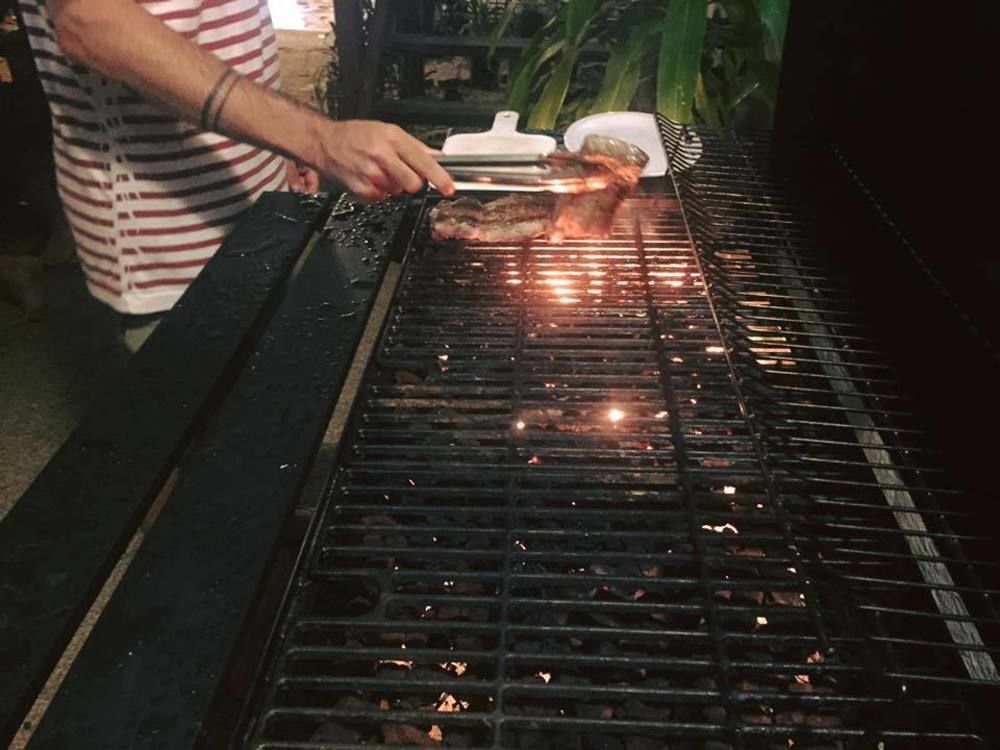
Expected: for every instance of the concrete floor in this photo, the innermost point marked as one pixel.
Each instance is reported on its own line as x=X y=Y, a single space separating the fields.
x=50 y=370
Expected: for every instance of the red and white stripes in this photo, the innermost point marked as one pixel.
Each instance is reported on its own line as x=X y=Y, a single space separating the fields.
x=149 y=197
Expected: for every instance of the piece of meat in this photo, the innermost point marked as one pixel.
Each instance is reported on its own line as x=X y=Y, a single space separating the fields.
x=525 y=216
x=592 y=214
x=513 y=218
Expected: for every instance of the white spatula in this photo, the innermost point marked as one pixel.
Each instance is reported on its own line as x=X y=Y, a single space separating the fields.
x=502 y=138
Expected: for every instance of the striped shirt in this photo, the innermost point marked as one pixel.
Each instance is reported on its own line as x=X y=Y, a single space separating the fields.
x=149 y=197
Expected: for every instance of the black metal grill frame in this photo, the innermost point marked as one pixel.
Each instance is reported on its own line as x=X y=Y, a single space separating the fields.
x=470 y=523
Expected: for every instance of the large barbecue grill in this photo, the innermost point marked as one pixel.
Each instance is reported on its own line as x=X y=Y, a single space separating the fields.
x=701 y=485
x=652 y=491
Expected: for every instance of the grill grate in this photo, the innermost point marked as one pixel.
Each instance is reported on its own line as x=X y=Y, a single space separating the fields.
x=611 y=495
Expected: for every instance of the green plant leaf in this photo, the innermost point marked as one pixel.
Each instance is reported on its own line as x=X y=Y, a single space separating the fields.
x=767 y=74
x=741 y=96
x=501 y=27
x=579 y=14
x=706 y=104
x=541 y=48
x=546 y=111
x=523 y=77
x=680 y=58
x=621 y=78
x=774 y=14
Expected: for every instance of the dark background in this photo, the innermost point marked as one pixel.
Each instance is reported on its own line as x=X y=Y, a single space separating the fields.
x=25 y=142
x=905 y=92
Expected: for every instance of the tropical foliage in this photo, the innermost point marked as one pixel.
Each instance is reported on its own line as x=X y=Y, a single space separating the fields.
x=714 y=61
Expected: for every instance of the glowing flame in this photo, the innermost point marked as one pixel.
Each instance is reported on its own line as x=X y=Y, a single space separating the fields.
x=615 y=415
x=397 y=663
x=448 y=703
x=458 y=667
x=721 y=529
x=729 y=490
x=519 y=425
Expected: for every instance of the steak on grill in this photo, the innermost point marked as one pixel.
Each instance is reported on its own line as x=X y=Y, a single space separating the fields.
x=509 y=219
x=527 y=216
x=592 y=214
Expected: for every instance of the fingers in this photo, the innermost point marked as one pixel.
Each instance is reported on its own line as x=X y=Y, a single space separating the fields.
x=374 y=160
x=365 y=189
x=399 y=174
x=295 y=182
x=416 y=156
x=310 y=181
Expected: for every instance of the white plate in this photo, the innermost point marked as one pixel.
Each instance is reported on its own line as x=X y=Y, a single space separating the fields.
x=637 y=128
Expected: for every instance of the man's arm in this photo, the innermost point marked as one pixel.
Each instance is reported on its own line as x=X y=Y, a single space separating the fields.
x=121 y=40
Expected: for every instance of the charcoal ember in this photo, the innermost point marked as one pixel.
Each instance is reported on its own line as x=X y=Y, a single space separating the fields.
x=638 y=710
x=405 y=734
x=411 y=640
x=751 y=597
x=808 y=719
x=809 y=688
x=601 y=741
x=759 y=718
x=337 y=733
x=741 y=595
x=714 y=714
x=532 y=647
x=737 y=550
x=426 y=672
x=643 y=743
x=750 y=686
x=547 y=617
x=469 y=587
x=408 y=377
x=458 y=738
x=787 y=598
x=462 y=614
x=593 y=710
x=530 y=739
x=393 y=670
x=469 y=643
x=381 y=538
x=566 y=741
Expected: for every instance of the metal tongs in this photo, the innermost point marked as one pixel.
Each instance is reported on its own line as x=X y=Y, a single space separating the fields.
x=537 y=171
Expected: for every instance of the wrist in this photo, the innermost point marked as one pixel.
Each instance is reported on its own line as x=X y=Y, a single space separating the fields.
x=309 y=149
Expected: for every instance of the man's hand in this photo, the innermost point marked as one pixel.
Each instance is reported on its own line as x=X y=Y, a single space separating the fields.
x=302 y=179
x=375 y=160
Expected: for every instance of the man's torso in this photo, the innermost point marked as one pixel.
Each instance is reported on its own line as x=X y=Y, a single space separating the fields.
x=150 y=197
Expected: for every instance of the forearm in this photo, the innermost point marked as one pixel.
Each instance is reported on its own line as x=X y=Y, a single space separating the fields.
x=120 y=40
